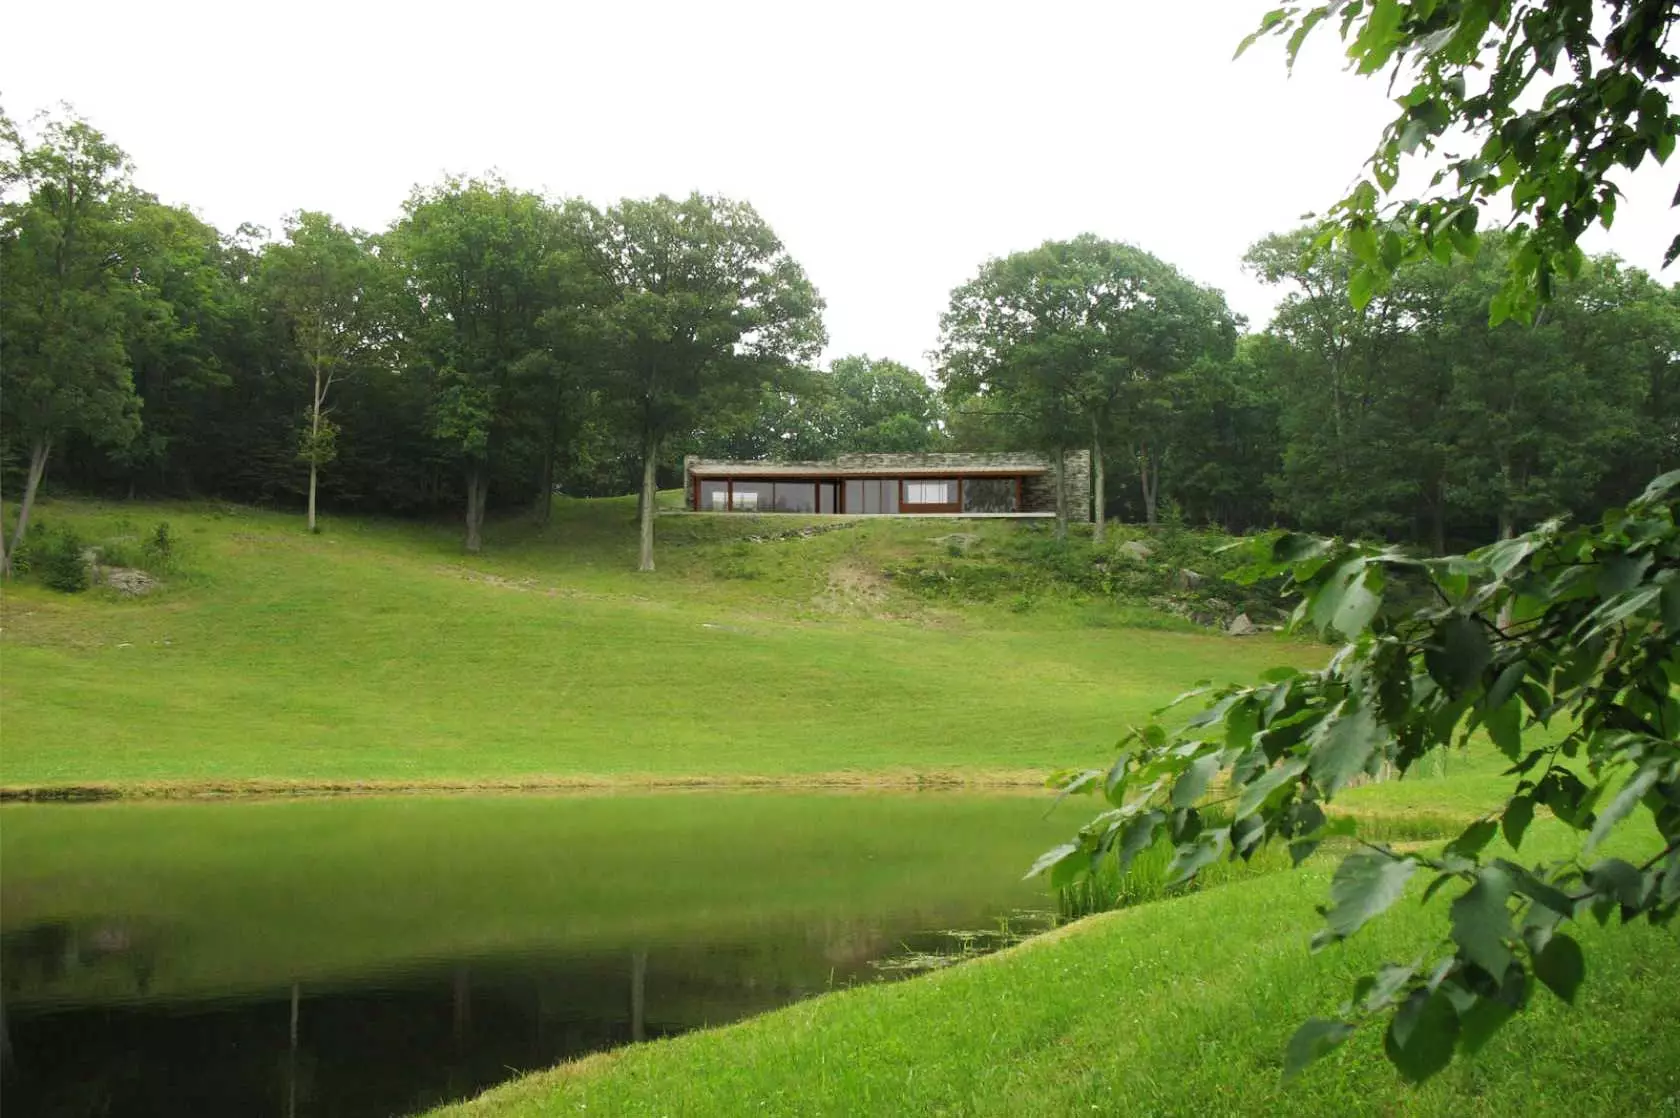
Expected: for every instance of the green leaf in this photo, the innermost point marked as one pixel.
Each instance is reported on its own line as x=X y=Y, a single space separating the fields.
x=1475 y=837
x=1256 y=791
x=1504 y=726
x=1343 y=746
x=1561 y=967
x=1359 y=603
x=1362 y=285
x=1479 y=1021
x=1189 y=858
x=1051 y=857
x=1138 y=836
x=1242 y=722
x=1313 y=1040
x=1420 y=1039
x=1481 y=923
x=1458 y=653
x=1506 y=685
x=1624 y=802
x=1188 y=788
x=1365 y=885
x=1519 y=813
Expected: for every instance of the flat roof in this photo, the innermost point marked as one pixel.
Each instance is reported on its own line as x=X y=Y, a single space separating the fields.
x=981 y=464
x=760 y=471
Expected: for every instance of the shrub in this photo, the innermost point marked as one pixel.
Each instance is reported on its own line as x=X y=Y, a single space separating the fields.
x=57 y=559
x=161 y=547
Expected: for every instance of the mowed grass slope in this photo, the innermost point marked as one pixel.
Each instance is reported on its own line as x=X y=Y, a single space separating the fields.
x=377 y=652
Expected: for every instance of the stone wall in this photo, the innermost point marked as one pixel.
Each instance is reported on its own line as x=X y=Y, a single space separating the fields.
x=1039 y=493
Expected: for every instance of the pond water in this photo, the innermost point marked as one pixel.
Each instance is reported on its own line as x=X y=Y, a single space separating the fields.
x=373 y=957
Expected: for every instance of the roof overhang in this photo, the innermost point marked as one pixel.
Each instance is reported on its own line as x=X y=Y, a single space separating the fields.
x=703 y=473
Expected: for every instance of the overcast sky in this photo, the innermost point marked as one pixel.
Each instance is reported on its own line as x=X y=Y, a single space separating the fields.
x=893 y=146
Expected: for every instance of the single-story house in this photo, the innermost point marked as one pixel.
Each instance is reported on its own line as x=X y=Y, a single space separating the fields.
x=996 y=485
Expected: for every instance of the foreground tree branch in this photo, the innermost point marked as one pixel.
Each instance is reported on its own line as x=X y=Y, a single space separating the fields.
x=1591 y=658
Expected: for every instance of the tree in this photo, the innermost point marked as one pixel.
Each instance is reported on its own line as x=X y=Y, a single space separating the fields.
x=66 y=299
x=708 y=308
x=482 y=264
x=1414 y=413
x=320 y=279
x=177 y=335
x=1562 y=97
x=881 y=406
x=1079 y=334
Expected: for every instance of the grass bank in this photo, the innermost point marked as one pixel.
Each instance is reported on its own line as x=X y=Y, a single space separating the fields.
x=1178 y=1007
x=376 y=655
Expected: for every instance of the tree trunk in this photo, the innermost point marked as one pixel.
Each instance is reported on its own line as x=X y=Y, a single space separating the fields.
x=545 y=499
x=551 y=448
x=650 y=465
x=1099 y=499
x=1058 y=472
x=315 y=435
x=37 y=467
x=475 y=506
x=1150 y=478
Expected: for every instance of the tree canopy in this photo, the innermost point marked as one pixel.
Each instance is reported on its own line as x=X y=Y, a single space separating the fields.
x=1540 y=106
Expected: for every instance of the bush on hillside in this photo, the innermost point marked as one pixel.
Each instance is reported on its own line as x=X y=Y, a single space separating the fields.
x=1173 y=570
x=161 y=548
x=57 y=559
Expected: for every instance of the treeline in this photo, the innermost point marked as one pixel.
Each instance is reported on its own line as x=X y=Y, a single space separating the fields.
x=494 y=346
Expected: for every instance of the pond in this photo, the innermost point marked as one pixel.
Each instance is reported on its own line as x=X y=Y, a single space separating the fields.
x=373 y=957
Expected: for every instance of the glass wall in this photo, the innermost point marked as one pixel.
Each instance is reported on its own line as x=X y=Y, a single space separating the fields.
x=872 y=495
x=754 y=496
x=796 y=496
x=714 y=496
x=989 y=494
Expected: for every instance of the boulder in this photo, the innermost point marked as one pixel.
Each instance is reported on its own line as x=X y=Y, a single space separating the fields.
x=1135 y=551
x=130 y=581
x=1186 y=579
x=1242 y=626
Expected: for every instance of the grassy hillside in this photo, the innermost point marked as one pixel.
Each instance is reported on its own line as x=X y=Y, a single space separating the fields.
x=377 y=652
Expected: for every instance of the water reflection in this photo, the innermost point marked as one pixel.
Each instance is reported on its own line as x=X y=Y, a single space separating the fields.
x=374 y=958
x=407 y=1041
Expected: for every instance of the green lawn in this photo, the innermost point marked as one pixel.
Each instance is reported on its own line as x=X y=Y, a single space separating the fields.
x=377 y=652
x=1181 y=1007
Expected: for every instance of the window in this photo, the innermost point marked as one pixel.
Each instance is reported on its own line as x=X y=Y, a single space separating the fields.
x=989 y=494
x=754 y=496
x=714 y=496
x=929 y=493
x=871 y=495
x=796 y=496
x=940 y=496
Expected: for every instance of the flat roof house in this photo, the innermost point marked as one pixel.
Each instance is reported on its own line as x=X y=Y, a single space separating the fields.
x=995 y=485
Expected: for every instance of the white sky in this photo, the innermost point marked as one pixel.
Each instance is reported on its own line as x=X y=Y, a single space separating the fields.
x=893 y=146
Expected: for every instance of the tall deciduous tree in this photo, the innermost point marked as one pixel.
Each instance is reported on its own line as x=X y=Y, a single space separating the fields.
x=66 y=296
x=708 y=307
x=321 y=279
x=478 y=261
x=1081 y=334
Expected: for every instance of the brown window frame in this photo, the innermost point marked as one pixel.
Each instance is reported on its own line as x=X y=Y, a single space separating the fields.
x=941 y=507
